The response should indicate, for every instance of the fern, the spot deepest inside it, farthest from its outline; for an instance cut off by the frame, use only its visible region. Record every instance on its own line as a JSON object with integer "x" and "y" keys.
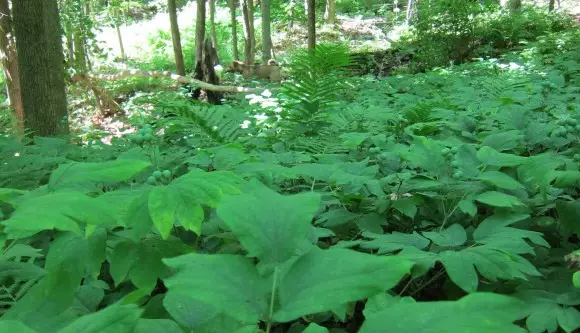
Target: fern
{"x": 315, "y": 89}
{"x": 222, "y": 124}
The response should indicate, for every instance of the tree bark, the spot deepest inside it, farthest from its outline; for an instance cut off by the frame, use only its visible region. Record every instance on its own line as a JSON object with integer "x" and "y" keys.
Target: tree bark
{"x": 266, "y": 31}
{"x": 515, "y": 5}
{"x": 80, "y": 60}
{"x": 176, "y": 37}
{"x": 10, "y": 64}
{"x": 40, "y": 63}
{"x": 234, "y": 21}
{"x": 212, "y": 24}
{"x": 249, "y": 41}
{"x": 311, "y": 26}
{"x": 409, "y": 11}
{"x": 250, "y": 4}
{"x": 291, "y": 14}
{"x": 330, "y": 11}
{"x": 120, "y": 38}
{"x": 199, "y": 34}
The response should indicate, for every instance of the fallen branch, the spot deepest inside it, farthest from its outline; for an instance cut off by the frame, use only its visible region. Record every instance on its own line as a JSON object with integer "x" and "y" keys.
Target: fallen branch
{"x": 177, "y": 78}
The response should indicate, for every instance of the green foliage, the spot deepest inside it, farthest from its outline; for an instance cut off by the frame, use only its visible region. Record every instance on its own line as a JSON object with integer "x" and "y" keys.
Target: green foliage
{"x": 443, "y": 201}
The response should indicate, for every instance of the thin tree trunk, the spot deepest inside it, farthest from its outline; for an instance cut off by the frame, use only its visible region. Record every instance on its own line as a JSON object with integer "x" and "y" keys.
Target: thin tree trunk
{"x": 234, "y": 21}
{"x": 80, "y": 61}
{"x": 40, "y": 59}
{"x": 266, "y": 32}
{"x": 250, "y": 4}
{"x": 248, "y": 33}
{"x": 70, "y": 49}
{"x": 311, "y": 26}
{"x": 199, "y": 33}
{"x": 120, "y": 38}
{"x": 368, "y": 4}
{"x": 10, "y": 64}
{"x": 86, "y": 50}
{"x": 212, "y": 24}
{"x": 330, "y": 11}
{"x": 291, "y": 14}
{"x": 409, "y": 11}
{"x": 176, "y": 37}
{"x": 515, "y": 5}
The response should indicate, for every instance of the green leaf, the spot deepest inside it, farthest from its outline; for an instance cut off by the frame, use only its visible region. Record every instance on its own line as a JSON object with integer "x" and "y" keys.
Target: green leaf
{"x": 229, "y": 283}
{"x": 323, "y": 279}
{"x": 314, "y": 328}
{"x": 188, "y": 311}
{"x": 503, "y": 140}
{"x": 62, "y": 210}
{"x": 474, "y": 313}
{"x": 102, "y": 172}
{"x": 406, "y": 206}
{"x": 460, "y": 270}
{"x": 157, "y": 326}
{"x": 468, "y": 207}
{"x": 270, "y": 226}
{"x": 564, "y": 179}
{"x": 498, "y": 199}
{"x": 455, "y": 235}
{"x": 353, "y": 139}
{"x": 500, "y": 180}
{"x": 113, "y": 319}
{"x": 394, "y": 241}
{"x": 490, "y": 156}
{"x": 162, "y": 207}
{"x": 14, "y": 326}
{"x": 426, "y": 154}
{"x": 124, "y": 254}
{"x": 569, "y": 319}
{"x": 491, "y": 224}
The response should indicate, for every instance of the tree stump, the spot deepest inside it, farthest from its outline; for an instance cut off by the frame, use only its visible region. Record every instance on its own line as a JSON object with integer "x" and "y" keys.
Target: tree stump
{"x": 204, "y": 71}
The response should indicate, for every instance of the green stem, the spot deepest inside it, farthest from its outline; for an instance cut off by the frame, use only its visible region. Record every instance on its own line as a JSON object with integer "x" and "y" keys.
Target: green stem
{"x": 274, "y": 286}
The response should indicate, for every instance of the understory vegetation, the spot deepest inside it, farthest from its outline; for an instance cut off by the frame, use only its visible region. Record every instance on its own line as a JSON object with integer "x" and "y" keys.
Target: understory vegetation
{"x": 442, "y": 197}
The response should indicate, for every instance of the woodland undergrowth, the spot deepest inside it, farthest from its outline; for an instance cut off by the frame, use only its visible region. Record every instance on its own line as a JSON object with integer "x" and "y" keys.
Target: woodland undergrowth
{"x": 444, "y": 201}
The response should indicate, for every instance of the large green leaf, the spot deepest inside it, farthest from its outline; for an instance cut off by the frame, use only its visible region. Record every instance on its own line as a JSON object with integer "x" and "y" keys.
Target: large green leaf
{"x": 501, "y": 141}
{"x": 455, "y": 235}
{"x": 270, "y": 226}
{"x": 314, "y": 328}
{"x": 498, "y": 199}
{"x": 14, "y": 326}
{"x": 475, "y": 313}
{"x": 157, "y": 326}
{"x": 188, "y": 311}
{"x": 394, "y": 241}
{"x": 490, "y": 156}
{"x": 460, "y": 270}
{"x": 102, "y": 172}
{"x": 229, "y": 283}
{"x": 324, "y": 279}
{"x": 500, "y": 180}
{"x": 545, "y": 312}
{"x": 113, "y": 319}
{"x": 65, "y": 211}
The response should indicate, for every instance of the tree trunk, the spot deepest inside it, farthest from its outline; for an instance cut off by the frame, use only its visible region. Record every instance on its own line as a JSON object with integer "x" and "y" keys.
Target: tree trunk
{"x": 87, "y": 52}
{"x": 10, "y": 64}
{"x": 232, "y": 4}
{"x": 409, "y": 11}
{"x": 266, "y": 33}
{"x": 552, "y": 5}
{"x": 311, "y": 25}
{"x": 80, "y": 61}
{"x": 330, "y": 11}
{"x": 291, "y": 14}
{"x": 199, "y": 33}
{"x": 249, "y": 49}
{"x": 40, "y": 60}
{"x": 250, "y": 4}
{"x": 368, "y": 4}
{"x": 176, "y": 37}
{"x": 515, "y": 5}
{"x": 212, "y": 24}
{"x": 120, "y": 38}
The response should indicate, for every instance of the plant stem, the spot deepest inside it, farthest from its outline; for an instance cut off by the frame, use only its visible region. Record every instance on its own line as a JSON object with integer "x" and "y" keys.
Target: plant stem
{"x": 272, "y": 297}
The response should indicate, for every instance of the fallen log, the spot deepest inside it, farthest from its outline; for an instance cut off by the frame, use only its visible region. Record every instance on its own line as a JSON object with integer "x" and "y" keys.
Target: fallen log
{"x": 175, "y": 77}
